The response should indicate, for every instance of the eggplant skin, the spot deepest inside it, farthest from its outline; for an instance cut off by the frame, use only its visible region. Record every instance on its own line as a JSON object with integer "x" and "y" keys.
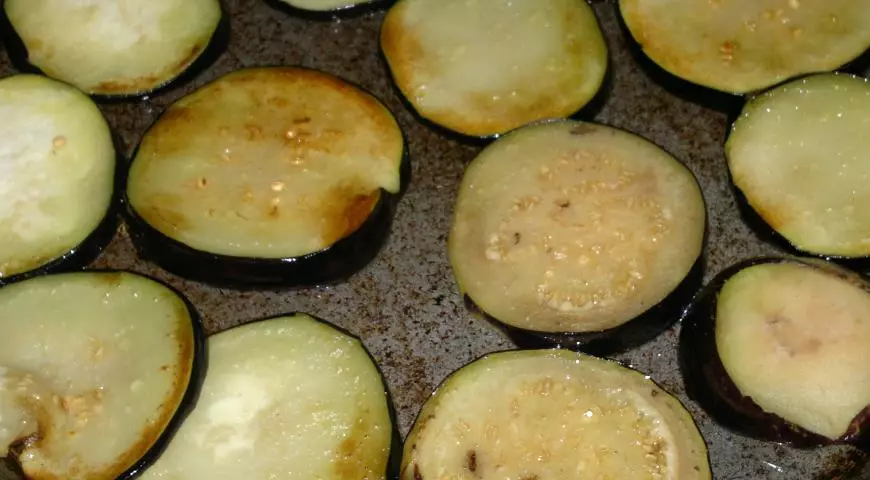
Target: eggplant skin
{"x": 708, "y": 384}
{"x": 333, "y": 264}
{"x": 627, "y": 336}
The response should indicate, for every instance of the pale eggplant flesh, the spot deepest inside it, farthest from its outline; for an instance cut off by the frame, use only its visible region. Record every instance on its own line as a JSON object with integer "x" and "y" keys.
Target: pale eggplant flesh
{"x": 552, "y": 415}
{"x": 97, "y": 370}
{"x": 776, "y": 349}
{"x": 285, "y": 398}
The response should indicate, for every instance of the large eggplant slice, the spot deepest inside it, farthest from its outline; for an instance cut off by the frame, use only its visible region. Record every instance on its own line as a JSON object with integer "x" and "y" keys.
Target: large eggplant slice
{"x": 285, "y": 398}
{"x": 778, "y": 349}
{"x": 578, "y": 234}
{"x": 742, "y": 46}
{"x": 97, "y": 370}
{"x": 57, "y": 173}
{"x": 485, "y": 67}
{"x": 114, "y": 48}
{"x": 552, "y": 415}
{"x": 800, "y": 157}
{"x": 267, "y": 176}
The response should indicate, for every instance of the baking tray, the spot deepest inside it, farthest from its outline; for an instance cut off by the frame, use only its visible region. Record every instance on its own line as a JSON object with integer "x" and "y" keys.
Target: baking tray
{"x": 404, "y": 305}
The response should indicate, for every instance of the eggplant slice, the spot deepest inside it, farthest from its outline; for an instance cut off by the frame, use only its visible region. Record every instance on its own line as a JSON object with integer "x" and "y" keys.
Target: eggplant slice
{"x": 777, "y": 349}
{"x": 486, "y": 67}
{"x": 742, "y": 46}
{"x": 114, "y": 48}
{"x": 319, "y": 6}
{"x": 96, "y": 371}
{"x": 552, "y": 415}
{"x": 57, "y": 172}
{"x": 285, "y": 398}
{"x": 568, "y": 227}
{"x": 800, "y": 156}
{"x": 267, "y": 176}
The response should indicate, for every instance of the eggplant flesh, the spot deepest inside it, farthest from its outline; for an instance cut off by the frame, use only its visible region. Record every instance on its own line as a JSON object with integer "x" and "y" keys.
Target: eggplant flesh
{"x": 57, "y": 171}
{"x": 574, "y": 227}
{"x": 268, "y": 167}
{"x": 328, "y": 5}
{"x": 800, "y": 156}
{"x": 289, "y": 397}
{"x": 116, "y": 48}
{"x": 777, "y": 348}
{"x": 95, "y": 369}
{"x": 552, "y": 414}
{"x": 484, "y": 68}
{"x": 745, "y": 46}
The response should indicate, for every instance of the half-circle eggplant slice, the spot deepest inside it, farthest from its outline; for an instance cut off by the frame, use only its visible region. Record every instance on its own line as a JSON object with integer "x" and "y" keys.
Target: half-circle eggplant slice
{"x": 579, "y": 235}
{"x": 800, "y": 157}
{"x": 267, "y": 176}
{"x": 114, "y": 48}
{"x": 332, "y": 6}
{"x": 57, "y": 173}
{"x": 483, "y": 68}
{"x": 285, "y": 398}
{"x": 553, "y": 415}
{"x": 97, "y": 369}
{"x": 744, "y": 46}
{"x": 777, "y": 349}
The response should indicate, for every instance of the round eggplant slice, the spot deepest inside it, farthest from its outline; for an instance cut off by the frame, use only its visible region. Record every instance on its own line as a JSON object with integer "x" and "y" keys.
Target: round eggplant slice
{"x": 486, "y": 67}
{"x": 114, "y": 48}
{"x": 330, "y": 5}
{"x": 800, "y": 157}
{"x": 741, "y": 46}
{"x": 777, "y": 349}
{"x": 567, "y": 231}
{"x": 284, "y": 398}
{"x": 57, "y": 168}
{"x": 267, "y": 176}
{"x": 97, "y": 369}
{"x": 552, "y": 415}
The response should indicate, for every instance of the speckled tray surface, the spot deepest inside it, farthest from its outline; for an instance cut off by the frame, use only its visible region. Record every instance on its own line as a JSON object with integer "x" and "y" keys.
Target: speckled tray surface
{"x": 404, "y": 305}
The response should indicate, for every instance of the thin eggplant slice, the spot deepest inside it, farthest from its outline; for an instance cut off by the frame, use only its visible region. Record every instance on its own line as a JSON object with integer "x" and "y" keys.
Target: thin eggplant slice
{"x": 486, "y": 67}
{"x": 553, "y": 415}
{"x": 800, "y": 156}
{"x": 96, "y": 371}
{"x": 114, "y": 48}
{"x": 744, "y": 46}
{"x": 778, "y": 348}
{"x": 267, "y": 176}
{"x": 284, "y": 398}
{"x": 572, "y": 227}
{"x": 330, "y": 5}
{"x": 57, "y": 168}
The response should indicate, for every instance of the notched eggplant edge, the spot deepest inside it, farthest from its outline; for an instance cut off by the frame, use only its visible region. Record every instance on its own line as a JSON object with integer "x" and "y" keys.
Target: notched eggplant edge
{"x": 708, "y": 384}
{"x": 346, "y": 12}
{"x": 331, "y": 265}
{"x": 395, "y": 456}
{"x": 213, "y": 49}
{"x": 90, "y": 248}
{"x": 409, "y": 447}
{"x": 587, "y": 112}
{"x": 198, "y": 368}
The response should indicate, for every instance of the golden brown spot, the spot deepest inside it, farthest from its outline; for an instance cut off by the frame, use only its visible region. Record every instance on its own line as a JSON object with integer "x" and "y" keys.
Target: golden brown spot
{"x": 346, "y": 208}
{"x": 58, "y": 142}
{"x": 352, "y": 458}
{"x": 274, "y": 207}
{"x": 159, "y": 210}
{"x": 417, "y": 474}
{"x": 471, "y": 461}
{"x": 114, "y": 87}
{"x": 108, "y": 279}
{"x": 202, "y": 182}
{"x": 253, "y": 132}
{"x": 302, "y": 120}
{"x": 727, "y": 51}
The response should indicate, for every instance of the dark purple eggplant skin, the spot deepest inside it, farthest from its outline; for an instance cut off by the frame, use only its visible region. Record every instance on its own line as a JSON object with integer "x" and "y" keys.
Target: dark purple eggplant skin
{"x": 9, "y": 468}
{"x": 331, "y": 265}
{"x": 708, "y": 384}
{"x": 627, "y": 336}
{"x": 18, "y": 57}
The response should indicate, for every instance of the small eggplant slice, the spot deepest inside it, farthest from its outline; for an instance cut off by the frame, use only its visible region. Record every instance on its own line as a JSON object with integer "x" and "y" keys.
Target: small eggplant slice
{"x": 267, "y": 176}
{"x": 285, "y": 398}
{"x": 777, "y": 349}
{"x": 742, "y": 46}
{"x": 483, "y": 68}
{"x": 97, "y": 369}
{"x": 800, "y": 157}
{"x": 571, "y": 229}
{"x": 552, "y": 415}
{"x": 114, "y": 48}
{"x": 57, "y": 170}
{"x": 319, "y": 6}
